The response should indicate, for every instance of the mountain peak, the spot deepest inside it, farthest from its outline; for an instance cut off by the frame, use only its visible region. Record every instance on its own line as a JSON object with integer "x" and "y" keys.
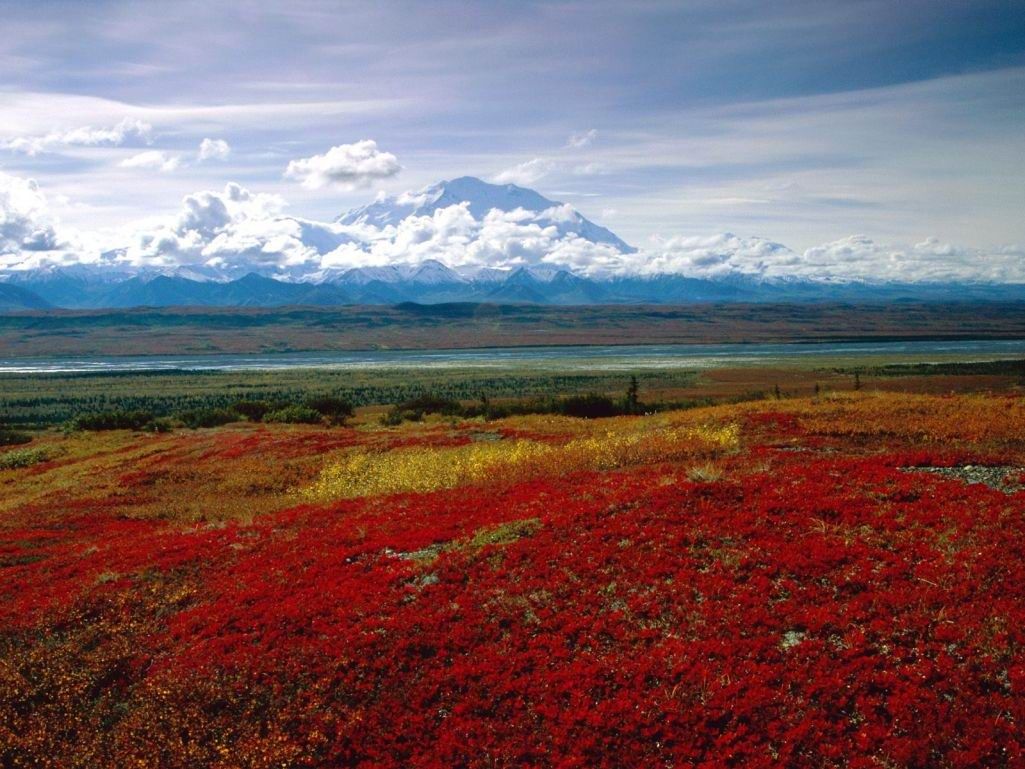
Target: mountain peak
{"x": 481, "y": 198}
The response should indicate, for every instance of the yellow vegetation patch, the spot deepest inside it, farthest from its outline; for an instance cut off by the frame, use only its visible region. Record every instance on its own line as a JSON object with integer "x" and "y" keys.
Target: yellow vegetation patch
{"x": 363, "y": 473}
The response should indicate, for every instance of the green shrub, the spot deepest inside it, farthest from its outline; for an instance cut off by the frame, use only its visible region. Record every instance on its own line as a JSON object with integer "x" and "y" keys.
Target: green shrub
{"x": 335, "y": 409}
{"x": 112, "y": 420}
{"x": 432, "y": 404}
{"x": 296, "y": 415}
{"x": 159, "y": 425}
{"x": 208, "y": 417}
{"x": 254, "y": 411}
{"x": 19, "y": 458}
{"x": 13, "y": 437}
{"x": 414, "y": 409}
{"x": 396, "y": 416}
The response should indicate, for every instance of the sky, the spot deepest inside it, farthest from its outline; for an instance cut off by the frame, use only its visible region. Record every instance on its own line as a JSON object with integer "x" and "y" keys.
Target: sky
{"x": 822, "y": 125}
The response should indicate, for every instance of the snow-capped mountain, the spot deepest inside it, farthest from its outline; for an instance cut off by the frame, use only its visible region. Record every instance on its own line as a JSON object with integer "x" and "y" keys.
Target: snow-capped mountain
{"x": 462, "y": 240}
{"x": 481, "y": 198}
{"x": 428, "y": 273}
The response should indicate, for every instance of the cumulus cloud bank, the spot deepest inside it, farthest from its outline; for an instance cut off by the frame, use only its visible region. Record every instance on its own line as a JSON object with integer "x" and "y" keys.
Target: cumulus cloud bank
{"x": 227, "y": 233}
{"x": 346, "y": 166}
{"x": 127, "y": 131}
{"x": 26, "y": 223}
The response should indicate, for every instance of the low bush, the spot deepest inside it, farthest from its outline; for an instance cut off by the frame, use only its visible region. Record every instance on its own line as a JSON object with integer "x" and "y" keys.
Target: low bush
{"x": 254, "y": 411}
{"x": 19, "y": 458}
{"x": 414, "y": 409}
{"x": 159, "y": 425}
{"x": 589, "y": 406}
{"x": 13, "y": 437}
{"x": 297, "y": 415}
{"x": 208, "y": 417}
{"x": 112, "y": 420}
{"x": 335, "y": 409}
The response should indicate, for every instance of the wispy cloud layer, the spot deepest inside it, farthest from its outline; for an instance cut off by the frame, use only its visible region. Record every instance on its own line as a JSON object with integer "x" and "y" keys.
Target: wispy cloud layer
{"x": 529, "y": 172}
{"x": 800, "y": 121}
{"x": 128, "y": 131}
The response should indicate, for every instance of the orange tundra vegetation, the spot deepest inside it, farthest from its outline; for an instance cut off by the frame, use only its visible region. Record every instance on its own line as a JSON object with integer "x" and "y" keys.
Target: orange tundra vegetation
{"x": 827, "y": 582}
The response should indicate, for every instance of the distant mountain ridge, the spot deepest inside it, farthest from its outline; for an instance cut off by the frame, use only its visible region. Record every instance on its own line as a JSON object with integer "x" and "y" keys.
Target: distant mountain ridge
{"x": 435, "y": 283}
{"x": 14, "y": 298}
{"x": 115, "y": 282}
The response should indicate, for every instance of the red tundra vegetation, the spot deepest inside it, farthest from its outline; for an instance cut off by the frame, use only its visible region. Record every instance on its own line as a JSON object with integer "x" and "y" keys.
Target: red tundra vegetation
{"x": 791, "y": 590}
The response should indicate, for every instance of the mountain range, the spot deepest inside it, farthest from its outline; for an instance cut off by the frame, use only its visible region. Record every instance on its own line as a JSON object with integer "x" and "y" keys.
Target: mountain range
{"x": 113, "y": 282}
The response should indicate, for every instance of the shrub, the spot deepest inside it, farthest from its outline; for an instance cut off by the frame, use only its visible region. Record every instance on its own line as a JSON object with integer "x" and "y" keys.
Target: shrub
{"x": 296, "y": 415}
{"x": 112, "y": 420}
{"x": 395, "y": 416}
{"x": 159, "y": 425}
{"x": 23, "y": 458}
{"x": 335, "y": 409}
{"x": 589, "y": 406}
{"x": 208, "y": 417}
{"x": 414, "y": 409}
{"x": 254, "y": 411}
{"x": 13, "y": 437}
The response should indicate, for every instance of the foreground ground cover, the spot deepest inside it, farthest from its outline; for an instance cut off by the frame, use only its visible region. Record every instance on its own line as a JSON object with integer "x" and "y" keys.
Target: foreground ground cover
{"x": 762, "y": 584}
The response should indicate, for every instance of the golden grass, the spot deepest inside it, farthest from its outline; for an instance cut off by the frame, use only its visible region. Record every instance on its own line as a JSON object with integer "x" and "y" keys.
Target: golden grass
{"x": 365, "y": 473}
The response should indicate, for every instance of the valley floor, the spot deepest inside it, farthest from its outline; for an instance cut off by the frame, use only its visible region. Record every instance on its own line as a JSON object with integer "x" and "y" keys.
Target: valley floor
{"x": 832, "y": 581}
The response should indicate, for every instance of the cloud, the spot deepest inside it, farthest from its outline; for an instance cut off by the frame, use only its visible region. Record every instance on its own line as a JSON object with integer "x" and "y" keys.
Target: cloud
{"x": 219, "y": 229}
{"x": 525, "y": 173}
{"x": 717, "y": 256}
{"x": 582, "y": 139}
{"x": 227, "y": 233}
{"x": 213, "y": 149}
{"x": 346, "y": 166}
{"x": 930, "y": 260}
{"x": 128, "y": 131}
{"x": 153, "y": 160}
{"x": 500, "y": 239}
{"x": 590, "y": 169}
{"x": 26, "y": 223}
{"x": 853, "y": 258}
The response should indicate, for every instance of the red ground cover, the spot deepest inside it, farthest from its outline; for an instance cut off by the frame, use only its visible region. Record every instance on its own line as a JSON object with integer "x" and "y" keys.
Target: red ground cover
{"x": 808, "y": 609}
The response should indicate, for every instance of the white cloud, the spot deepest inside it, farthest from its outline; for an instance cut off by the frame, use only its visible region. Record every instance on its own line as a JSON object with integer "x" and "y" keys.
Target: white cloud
{"x": 26, "y": 223}
{"x": 582, "y": 139}
{"x": 233, "y": 231}
{"x": 128, "y": 131}
{"x": 717, "y": 256}
{"x": 525, "y": 173}
{"x": 347, "y": 166}
{"x": 861, "y": 258}
{"x": 153, "y": 160}
{"x": 854, "y": 258}
{"x": 213, "y": 149}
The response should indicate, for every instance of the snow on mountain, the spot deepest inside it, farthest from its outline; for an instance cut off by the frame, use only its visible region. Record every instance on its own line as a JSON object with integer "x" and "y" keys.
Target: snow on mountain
{"x": 484, "y": 274}
{"x": 462, "y": 240}
{"x": 433, "y": 273}
{"x": 481, "y": 198}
